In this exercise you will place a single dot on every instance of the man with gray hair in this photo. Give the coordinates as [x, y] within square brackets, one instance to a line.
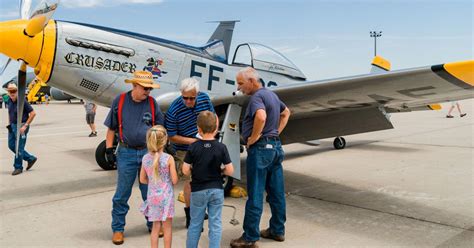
[265, 118]
[181, 124]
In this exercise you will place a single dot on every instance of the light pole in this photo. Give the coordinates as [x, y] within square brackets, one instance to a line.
[375, 34]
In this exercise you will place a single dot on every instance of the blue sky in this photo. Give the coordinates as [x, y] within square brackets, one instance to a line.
[324, 38]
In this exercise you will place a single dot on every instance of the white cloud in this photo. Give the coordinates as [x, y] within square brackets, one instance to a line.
[195, 39]
[287, 49]
[102, 3]
[316, 51]
[9, 14]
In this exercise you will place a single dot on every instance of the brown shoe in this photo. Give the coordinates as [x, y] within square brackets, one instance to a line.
[267, 234]
[242, 243]
[16, 172]
[31, 163]
[117, 238]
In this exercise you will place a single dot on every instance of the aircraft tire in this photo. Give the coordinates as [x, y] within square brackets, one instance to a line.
[339, 143]
[101, 159]
[227, 183]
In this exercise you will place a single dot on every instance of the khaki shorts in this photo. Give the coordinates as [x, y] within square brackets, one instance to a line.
[179, 160]
[90, 118]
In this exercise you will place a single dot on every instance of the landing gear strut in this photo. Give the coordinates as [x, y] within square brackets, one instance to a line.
[339, 143]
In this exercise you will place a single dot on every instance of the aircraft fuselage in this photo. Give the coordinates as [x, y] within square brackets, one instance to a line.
[92, 63]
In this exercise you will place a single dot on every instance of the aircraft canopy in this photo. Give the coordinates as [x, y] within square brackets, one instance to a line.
[265, 58]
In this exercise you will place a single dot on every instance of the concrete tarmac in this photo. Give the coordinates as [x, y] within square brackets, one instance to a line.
[411, 186]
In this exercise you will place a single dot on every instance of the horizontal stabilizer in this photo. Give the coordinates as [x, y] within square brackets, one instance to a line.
[380, 65]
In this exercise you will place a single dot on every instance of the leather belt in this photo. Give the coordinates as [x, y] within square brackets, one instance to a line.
[132, 147]
[269, 138]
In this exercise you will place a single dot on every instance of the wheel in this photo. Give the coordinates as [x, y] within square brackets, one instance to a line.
[227, 183]
[339, 143]
[101, 159]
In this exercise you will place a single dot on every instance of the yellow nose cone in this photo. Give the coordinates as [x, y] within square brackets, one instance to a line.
[37, 51]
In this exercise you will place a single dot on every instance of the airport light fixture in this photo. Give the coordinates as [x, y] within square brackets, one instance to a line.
[375, 34]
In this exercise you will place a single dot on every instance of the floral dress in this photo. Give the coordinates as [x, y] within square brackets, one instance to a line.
[160, 198]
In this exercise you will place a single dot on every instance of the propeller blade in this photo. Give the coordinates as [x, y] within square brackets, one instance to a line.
[40, 17]
[5, 66]
[25, 8]
[20, 103]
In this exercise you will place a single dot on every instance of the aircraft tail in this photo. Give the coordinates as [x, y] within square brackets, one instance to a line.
[224, 32]
[380, 65]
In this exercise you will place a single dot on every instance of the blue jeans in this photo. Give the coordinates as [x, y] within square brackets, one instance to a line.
[128, 169]
[22, 154]
[212, 199]
[265, 172]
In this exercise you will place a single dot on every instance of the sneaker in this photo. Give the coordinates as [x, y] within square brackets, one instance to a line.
[462, 115]
[267, 234]
[16, 172]
[31, 163]
[117, 238]
[242, 243]
[449, 116]
[93, 134]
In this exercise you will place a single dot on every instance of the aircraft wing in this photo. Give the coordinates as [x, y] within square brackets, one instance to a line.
[358, 104]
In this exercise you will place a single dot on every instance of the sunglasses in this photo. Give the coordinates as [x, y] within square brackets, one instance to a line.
[147, 88]
[12, 91]
[189, 98]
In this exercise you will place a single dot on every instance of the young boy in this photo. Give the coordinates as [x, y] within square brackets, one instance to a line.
[205, 158]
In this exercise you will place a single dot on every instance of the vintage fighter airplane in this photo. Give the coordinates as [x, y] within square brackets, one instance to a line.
[91, 62]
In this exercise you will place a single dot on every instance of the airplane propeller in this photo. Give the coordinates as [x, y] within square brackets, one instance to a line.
[25, 6]
[38, 19]
[5, 66]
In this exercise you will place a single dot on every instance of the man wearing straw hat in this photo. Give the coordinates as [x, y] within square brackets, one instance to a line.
[132, 113]
[28, 116]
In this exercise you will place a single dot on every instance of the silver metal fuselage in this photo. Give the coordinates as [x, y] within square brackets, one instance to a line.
[92, 63]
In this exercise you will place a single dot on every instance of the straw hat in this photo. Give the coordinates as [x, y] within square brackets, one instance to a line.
[143, 78]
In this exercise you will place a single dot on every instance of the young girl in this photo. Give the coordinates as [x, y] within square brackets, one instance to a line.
[159, 172]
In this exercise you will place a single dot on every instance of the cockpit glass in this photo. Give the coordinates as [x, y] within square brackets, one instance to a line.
[216, 50]
[265, 58]
[243, 55]
[267, 54]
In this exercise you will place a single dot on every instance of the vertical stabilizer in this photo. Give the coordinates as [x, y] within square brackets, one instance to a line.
[224, 33]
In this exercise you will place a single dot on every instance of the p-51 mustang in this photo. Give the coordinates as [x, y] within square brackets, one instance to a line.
[91, 62]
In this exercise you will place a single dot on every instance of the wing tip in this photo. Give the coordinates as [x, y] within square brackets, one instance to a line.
[457, 73]
[463, 71]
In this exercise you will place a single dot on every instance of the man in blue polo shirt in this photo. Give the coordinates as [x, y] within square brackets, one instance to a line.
[265, 118]
[136, 115]
[28, 116]
[181, 124]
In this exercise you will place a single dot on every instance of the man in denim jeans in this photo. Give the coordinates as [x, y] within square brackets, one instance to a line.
[28, 116]
[136, 115]
[205, 158]
[265, 118]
